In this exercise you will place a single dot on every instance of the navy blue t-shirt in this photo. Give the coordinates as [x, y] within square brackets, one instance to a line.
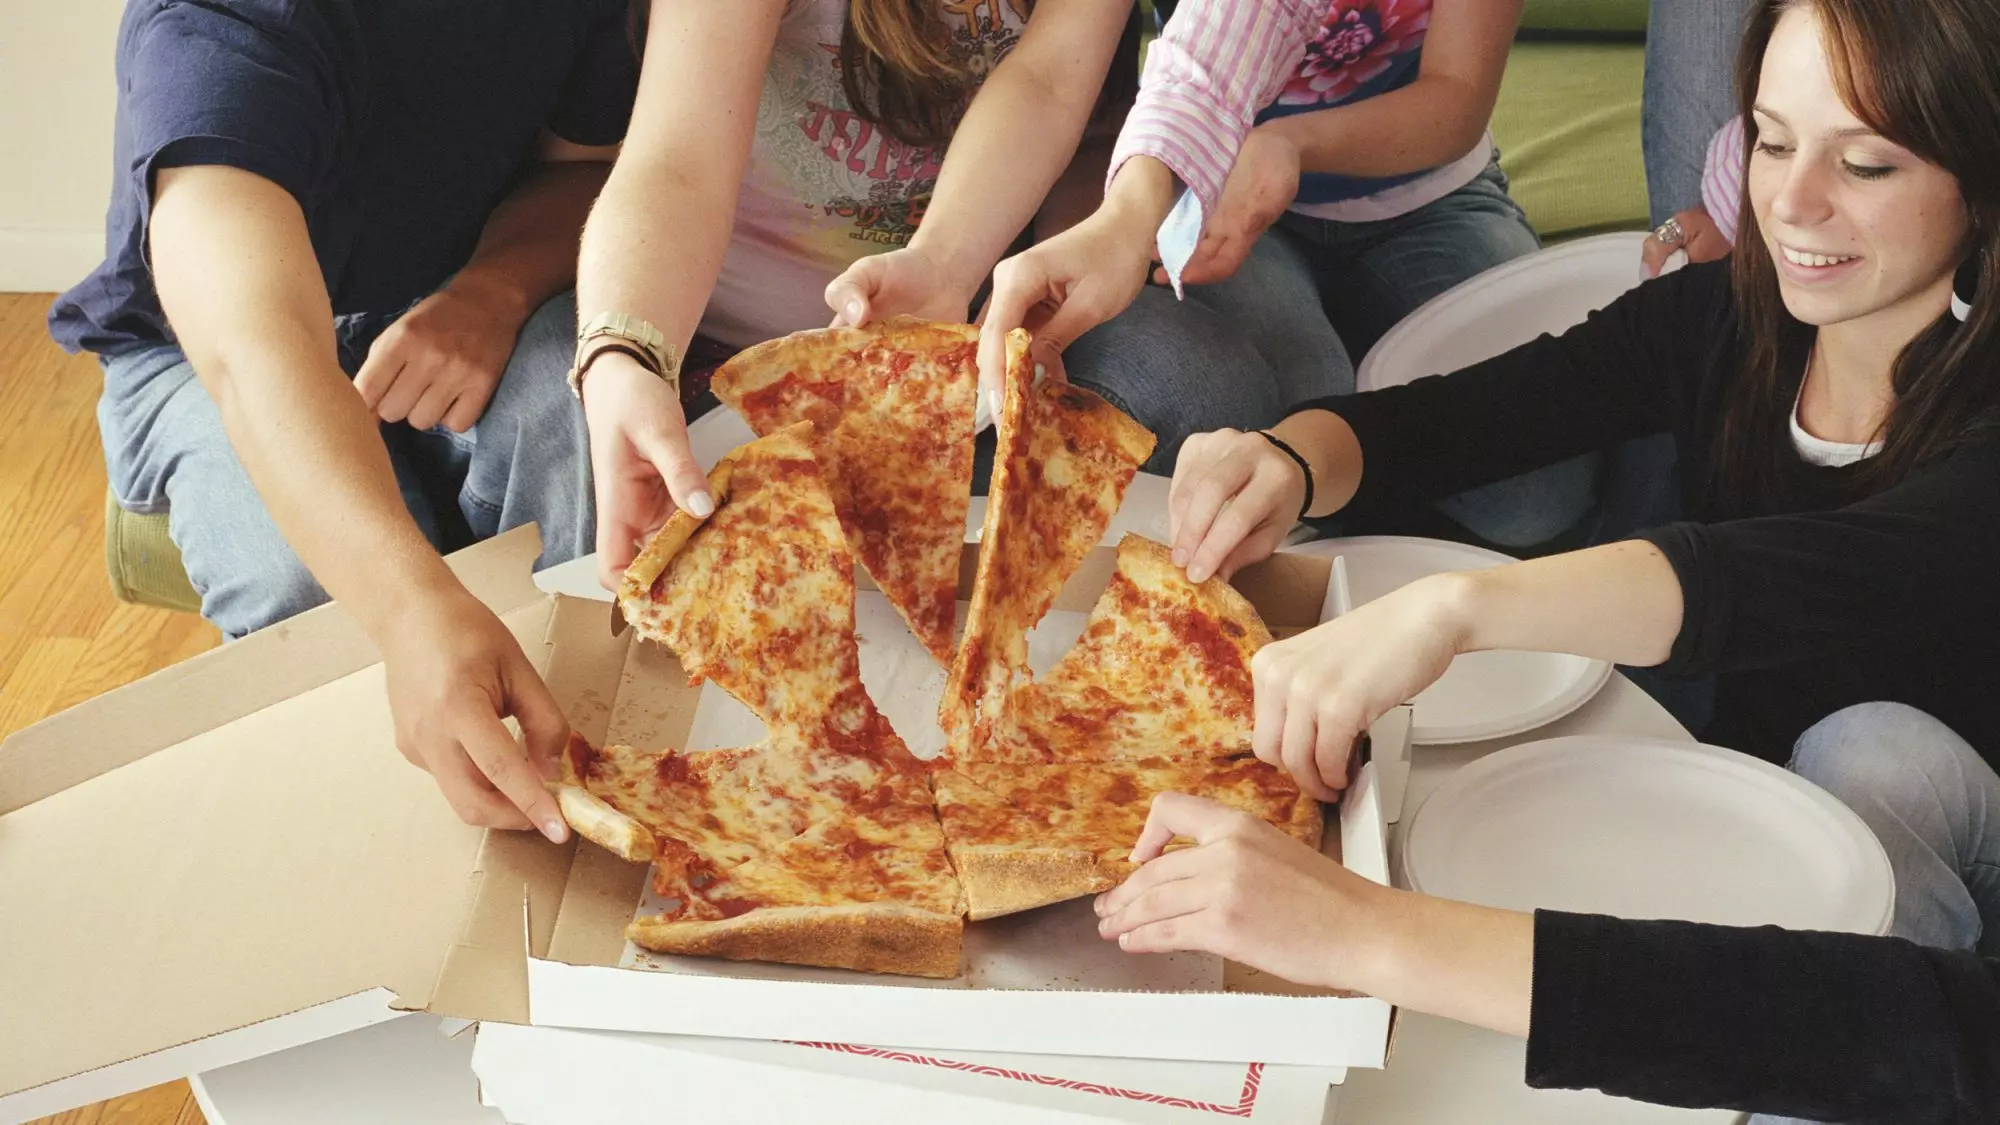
[398, 125]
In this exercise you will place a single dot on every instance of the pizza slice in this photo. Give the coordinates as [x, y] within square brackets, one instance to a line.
[1023, 836]
[759, 596]
[1064, 459]
[892, 408]
[1162, 670]
[836, 897]
[776, 853]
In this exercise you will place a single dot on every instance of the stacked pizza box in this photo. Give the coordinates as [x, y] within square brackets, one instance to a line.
[229, 859]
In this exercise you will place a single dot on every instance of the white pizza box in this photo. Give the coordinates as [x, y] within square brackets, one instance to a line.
[230, 858]
[558, 1076]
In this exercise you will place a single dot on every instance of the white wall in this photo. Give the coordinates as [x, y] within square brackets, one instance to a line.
[56, 99]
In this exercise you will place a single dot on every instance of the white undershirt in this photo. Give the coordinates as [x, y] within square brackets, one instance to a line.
[1819, 451]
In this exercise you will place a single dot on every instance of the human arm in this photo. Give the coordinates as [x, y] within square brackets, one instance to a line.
[1435, 119]
[441, 360]
[1319, 691]
[1017, 137]
[1829, 1027]
[238, 279]
[653, 249]
[1213, 67]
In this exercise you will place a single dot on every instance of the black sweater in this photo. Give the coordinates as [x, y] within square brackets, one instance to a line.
[1799, 611]
[1828, 1027]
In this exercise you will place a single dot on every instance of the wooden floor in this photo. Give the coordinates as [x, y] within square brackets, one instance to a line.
[63, 637]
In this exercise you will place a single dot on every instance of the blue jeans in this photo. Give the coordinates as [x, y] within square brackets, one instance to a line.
[1935, 805]
[1690, 91]
[1311, 297]
[527, 460]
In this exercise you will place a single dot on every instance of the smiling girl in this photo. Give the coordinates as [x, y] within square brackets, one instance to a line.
[1834, 393]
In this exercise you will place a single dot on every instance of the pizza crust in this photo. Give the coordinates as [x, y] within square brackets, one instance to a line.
[1001, 879]
[866, 937]
[598, 822]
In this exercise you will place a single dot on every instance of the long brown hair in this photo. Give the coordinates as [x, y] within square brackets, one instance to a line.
[1926, 75]
[899, 70]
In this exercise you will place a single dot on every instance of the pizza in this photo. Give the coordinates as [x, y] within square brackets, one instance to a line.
[782, 852]
[1023, 836]
[759, 596]
[1064, 459]
[1162, 668]
[829, 843]
[892, 406]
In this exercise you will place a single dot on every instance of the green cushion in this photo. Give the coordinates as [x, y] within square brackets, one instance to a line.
[1567, 123]
[1619, 16]
[144, 565]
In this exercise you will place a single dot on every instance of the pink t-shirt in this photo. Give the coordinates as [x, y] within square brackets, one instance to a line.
[823, 187]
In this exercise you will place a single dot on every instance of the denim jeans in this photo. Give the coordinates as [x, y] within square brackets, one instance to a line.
[1312, 296]
[526, 460]
[1690, 91]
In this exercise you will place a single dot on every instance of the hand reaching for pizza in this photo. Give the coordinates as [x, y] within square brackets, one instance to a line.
[905, 282]
[640, 462]
[1233, 500]
[454, 672]
[1318, 692]
[1245, 891]
[1062, 288]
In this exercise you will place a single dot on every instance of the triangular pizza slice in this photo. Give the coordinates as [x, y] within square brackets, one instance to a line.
[776, 853]
[759, 596]
[1023, 836]
[892, 406]
[1064, 459]
[1162, 670]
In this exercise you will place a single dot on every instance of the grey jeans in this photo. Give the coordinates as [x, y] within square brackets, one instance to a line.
[527, 460]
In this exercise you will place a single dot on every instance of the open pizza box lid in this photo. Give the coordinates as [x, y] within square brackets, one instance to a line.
[230, 858]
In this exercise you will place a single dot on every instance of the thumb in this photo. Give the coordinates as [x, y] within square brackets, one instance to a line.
[544, 728]
[850, 295]
[1178, 814]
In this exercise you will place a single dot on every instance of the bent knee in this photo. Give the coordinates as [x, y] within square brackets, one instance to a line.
[1873, 751]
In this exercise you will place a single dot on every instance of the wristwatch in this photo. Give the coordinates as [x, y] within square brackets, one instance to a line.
[623, 332]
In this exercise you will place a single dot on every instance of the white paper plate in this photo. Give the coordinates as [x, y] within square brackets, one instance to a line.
[1647, 828]
[1483, 694]
[1504, 307]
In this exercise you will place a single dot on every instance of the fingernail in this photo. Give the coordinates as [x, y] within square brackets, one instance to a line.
[1122, 938]
[1197, 574]
[1041, 371]
[993, 403]
[854, 311]
[700, 506]
[555, 830]
[1180, 557]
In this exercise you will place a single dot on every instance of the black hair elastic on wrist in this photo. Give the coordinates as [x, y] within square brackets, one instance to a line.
[1304, 469]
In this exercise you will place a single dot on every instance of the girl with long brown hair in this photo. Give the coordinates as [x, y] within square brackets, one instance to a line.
[774, 144]
[1833, 391]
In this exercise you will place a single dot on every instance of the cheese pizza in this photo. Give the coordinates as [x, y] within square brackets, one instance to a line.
[893, 407]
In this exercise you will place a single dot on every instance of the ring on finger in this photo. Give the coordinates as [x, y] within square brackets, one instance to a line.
[1670, 234]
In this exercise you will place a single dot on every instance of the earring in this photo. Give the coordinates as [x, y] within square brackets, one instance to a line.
[1964, 287]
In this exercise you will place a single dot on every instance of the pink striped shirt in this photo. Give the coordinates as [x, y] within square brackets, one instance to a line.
[1722, 177]
[1217, 63]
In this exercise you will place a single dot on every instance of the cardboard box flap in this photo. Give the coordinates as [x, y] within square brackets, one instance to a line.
[279, 861]
[237, 679]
